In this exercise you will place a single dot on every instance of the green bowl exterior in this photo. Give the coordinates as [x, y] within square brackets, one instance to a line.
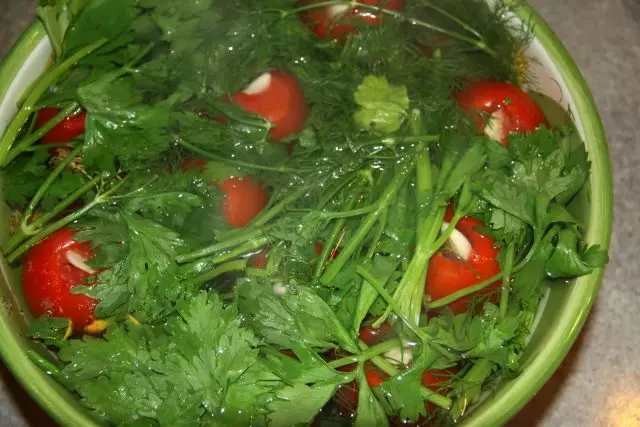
[564, 315]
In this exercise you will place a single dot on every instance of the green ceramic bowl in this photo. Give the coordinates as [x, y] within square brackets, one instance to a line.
[562, 314]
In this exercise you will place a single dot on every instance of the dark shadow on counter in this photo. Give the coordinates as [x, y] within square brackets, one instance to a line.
[29, 409]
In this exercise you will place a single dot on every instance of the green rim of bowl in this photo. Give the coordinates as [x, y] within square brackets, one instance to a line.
[511, 397]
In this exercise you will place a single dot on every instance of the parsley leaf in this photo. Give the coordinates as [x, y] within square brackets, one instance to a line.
[571, 259]
[284, 314]
[202, 364]
[383, 106]
[57, 17]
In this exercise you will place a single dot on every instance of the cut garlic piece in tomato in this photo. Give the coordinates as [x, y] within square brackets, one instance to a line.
[400, 355]
[459, 242]
[79, 261]
[279, 289]
[259, 85]
[495, 127]
[337, 10]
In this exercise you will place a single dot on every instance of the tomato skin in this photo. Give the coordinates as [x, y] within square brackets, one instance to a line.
[519, 112]
[448, 274]
[244, 200]
[244, 197]
[321, 21]
[372, 336]
[282, 104]
[319, 247]
[260, 261]
[48, 277]
[64, 131]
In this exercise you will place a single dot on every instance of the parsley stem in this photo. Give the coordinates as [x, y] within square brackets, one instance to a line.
[465, 292]
[42, 84]
[211, 156]
[46, 184]
[453, 18]
[379, 287]
[367, 354]
[45, 365]
[52, 145]
[32, 138]
[201, 279]
[251, 245]
[369, 221]
[342, 214]
[506, 280]
[409, 294]
[343, 182]
[219, 246]
[447, 233]
[410, 291]
[382, 224]
[275, 210]
[99, 199]
[31, 229]
[331, 244]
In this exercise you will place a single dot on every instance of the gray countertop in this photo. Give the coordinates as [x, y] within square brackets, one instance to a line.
[598, 384]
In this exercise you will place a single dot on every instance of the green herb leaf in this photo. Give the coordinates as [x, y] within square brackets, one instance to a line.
[284, 314]
[383, 106]
[201, 364]
[572, 259]
[57, 17]
[370, 412]
[53, 331]
[299, 404]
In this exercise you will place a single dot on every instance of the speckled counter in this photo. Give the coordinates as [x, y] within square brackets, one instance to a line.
[598, 384]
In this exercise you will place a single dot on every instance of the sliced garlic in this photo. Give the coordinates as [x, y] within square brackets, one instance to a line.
[459, 242]
[494, 128]
[337, 10]
[259, 85]
[79, 261]
[279, 289]
[400, 355]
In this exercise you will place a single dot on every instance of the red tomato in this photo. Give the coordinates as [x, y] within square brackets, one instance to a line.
[277, 97]
[193, 164]
[259, 260]
[64, 131]
[511, 109]
[372, 336]
[448, 273]
[48, 277]
[337, 21]
[243, 201]
[244, 198]
[320, 247]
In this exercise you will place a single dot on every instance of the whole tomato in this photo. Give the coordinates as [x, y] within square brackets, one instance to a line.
[51, 269]
[449, 273]
[510, 109]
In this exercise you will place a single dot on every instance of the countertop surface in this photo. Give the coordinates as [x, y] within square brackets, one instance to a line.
[598, 384]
